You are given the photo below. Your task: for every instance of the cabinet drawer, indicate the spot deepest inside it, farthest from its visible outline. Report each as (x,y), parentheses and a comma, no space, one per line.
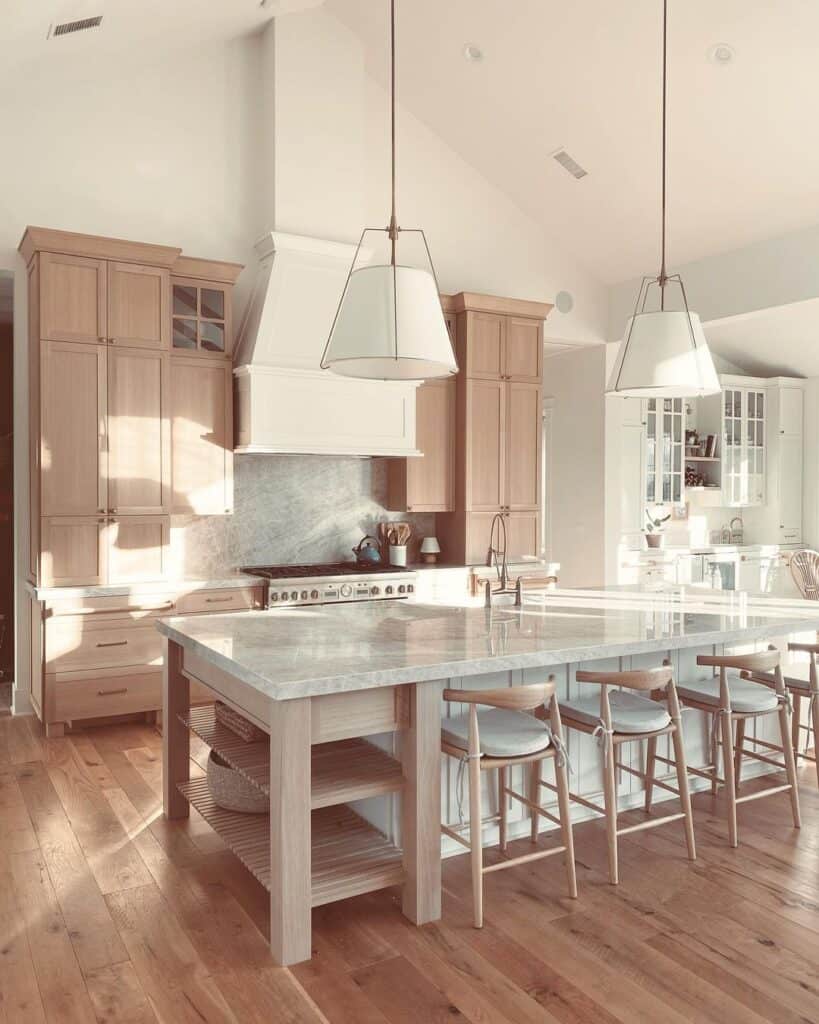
(106,695)
(79,645)
(220,601)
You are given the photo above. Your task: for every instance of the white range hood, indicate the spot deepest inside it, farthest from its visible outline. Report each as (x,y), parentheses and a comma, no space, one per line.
(285,404)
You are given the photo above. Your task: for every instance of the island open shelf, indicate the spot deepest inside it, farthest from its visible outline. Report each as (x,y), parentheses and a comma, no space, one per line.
(349,856)
(342,771)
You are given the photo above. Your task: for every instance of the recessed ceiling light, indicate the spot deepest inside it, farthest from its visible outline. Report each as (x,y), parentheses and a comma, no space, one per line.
(721,54)
(472,52)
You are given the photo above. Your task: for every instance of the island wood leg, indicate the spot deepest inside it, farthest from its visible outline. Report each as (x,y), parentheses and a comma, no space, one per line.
(290,853)
(421,804)
(176,741)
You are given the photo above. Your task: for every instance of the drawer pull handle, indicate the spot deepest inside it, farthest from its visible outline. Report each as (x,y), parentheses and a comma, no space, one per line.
(111,693)
(114,643)
(218,600)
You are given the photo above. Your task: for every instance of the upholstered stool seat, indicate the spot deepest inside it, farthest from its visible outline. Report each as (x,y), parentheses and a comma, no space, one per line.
(629,712)
(747,698)
(502,733)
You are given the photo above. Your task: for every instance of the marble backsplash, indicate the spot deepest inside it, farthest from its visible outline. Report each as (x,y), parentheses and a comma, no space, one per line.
(290,509)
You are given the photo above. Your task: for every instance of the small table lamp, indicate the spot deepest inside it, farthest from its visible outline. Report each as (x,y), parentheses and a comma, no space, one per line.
(430,549)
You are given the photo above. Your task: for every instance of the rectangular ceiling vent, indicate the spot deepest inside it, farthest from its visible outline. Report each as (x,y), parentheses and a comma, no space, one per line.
(569,164)
(66,27)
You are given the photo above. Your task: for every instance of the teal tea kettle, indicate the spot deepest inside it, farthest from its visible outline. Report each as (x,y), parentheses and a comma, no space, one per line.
(367,552)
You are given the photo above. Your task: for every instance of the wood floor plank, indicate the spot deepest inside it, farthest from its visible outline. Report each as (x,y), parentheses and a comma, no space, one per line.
(118,997)
(92,932)
(405,996)
(259,996)
(333,989)
(59,978)
(22,743)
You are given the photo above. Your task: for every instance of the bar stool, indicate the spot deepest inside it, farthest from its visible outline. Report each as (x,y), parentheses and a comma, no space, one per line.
(622,717)
(799,689)
(757,689)
(500,738)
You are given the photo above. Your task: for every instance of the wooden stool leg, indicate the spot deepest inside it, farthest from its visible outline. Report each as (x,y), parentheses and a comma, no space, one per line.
(790,765)
(714,756)
(610,802)
(738,748)
(503,807)
(815,720)
(685,795)
(728,771)
(476,850)
(651,760)
(564,803)
(795,722)
(534,796)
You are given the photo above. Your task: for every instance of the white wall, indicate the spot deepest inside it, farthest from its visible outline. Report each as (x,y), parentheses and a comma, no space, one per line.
(575,379)
(332,179)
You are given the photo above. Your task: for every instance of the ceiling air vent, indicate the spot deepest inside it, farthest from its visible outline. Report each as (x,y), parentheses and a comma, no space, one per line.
(66,27)
(569,164)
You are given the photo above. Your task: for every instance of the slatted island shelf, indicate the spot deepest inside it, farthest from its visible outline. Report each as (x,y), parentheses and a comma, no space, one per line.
(349,856)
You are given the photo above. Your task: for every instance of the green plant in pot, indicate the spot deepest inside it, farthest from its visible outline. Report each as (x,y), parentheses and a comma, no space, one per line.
(654,529)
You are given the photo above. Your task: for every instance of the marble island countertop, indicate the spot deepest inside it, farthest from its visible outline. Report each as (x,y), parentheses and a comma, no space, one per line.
(288,653)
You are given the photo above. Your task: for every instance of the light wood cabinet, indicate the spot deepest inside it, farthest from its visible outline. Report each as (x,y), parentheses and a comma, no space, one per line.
(201,436)
(428,484)
(139,440)
(499,426)
(73,298)
(138,299)
(201,319)
(72,458)
(72,551)
(137,548)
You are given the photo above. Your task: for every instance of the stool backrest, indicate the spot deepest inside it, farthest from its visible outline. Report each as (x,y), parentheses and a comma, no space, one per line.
(760,661)
(805,572)
(644,679)
(512,698)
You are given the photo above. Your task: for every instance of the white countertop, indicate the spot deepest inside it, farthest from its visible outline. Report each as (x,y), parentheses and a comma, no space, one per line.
(287,653)
(183,586)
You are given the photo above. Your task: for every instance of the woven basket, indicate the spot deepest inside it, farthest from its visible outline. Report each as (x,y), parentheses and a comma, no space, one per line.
(232,791)
(237,723)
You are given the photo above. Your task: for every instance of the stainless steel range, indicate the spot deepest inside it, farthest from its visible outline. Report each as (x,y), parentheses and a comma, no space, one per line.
(332,582)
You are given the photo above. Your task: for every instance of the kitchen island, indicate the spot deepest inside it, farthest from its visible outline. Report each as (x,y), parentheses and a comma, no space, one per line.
(320,680)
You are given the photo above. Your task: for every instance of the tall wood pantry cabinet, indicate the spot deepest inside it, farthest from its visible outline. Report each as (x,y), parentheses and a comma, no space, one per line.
(499,426)
(130,402)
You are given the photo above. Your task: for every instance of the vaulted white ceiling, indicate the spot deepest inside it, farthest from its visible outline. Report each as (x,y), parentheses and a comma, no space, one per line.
(744,155)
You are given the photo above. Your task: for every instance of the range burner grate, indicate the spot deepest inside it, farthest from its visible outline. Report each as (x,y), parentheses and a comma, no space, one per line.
(288,572)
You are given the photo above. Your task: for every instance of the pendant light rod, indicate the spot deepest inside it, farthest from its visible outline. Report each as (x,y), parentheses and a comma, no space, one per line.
(663,276)
(393,228)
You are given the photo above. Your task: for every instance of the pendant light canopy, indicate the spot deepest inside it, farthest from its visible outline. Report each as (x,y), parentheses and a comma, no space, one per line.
(664,353)
(389,324)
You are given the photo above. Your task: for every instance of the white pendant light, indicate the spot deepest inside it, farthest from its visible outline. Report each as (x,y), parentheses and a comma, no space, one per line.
(664,353)
(389,324)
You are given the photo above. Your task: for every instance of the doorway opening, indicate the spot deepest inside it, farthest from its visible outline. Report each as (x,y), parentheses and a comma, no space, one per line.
(6,490)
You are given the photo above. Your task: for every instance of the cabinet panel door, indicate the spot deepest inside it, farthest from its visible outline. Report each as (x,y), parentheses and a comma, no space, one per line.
(73,461)
(522,534)
(139,455)
(201,436)
(790,411)
(138,305)
(524,435)
(431,480)
(790,489)
(524,349)
(73,551)
(138,548)
(485,334)
(72,298)
(486,445)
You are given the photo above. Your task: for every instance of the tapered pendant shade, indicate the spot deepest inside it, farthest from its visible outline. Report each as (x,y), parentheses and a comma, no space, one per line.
(390,326)
(664,354)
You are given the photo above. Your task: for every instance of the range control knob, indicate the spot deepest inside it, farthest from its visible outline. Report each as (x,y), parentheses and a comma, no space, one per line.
(285,596)
(375,591)
(294,594)
(402,589)
(304,595)
(274,597)
(314,594)
(410,588)
(346,590)
(388,590)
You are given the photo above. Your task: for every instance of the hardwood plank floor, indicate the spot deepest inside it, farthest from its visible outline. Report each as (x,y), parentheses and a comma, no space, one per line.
(109,913)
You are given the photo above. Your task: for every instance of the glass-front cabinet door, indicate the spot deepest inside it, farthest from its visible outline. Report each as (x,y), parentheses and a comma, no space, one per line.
(743,449)
(665,431)
(200,317)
